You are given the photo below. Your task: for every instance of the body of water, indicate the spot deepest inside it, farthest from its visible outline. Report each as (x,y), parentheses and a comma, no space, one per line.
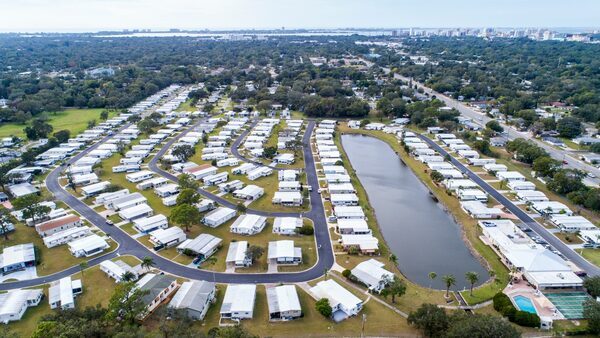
(423,236)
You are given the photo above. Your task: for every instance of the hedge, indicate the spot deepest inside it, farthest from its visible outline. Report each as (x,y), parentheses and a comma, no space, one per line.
(503,305)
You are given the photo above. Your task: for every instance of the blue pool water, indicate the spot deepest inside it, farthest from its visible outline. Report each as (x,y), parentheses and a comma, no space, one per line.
(524,304)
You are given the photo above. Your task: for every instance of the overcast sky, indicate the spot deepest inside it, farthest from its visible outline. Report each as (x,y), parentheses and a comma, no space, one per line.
(94,15)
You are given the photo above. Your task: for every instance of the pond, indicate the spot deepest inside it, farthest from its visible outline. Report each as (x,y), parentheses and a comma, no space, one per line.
(417,229)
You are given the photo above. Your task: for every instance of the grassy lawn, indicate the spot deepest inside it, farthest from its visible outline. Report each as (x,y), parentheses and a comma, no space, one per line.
(568,238)
(97,289)
(187,106)
(51,260)
(592,255)
(73,119)
(119,179)
(469,225)
(380,320)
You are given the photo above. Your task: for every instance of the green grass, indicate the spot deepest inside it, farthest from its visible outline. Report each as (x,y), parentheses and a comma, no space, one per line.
(74,120)
(51,260)
(381,321)
(592,255)
(187,106)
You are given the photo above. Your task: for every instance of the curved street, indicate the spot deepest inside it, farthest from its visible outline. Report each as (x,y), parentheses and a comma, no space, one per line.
(130,246)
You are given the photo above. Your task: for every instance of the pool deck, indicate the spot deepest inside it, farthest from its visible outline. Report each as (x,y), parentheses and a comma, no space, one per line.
(545,309)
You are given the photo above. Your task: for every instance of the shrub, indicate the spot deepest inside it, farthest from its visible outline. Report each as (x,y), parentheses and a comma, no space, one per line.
(527,319)
(323,307)
(346,273)
(306,229)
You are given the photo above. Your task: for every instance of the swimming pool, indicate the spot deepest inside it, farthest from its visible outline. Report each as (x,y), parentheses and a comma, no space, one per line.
(524,304)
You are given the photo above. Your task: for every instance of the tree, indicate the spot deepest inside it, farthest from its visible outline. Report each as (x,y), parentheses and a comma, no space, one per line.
(236,331)
(545,166)
(495,126)
(565,181)
(185,215)
(241,207)
(104,115)
(183,152)
(449,281)
(393,258)
(432,275)
(39,129)
(472,277)
(146,125)
(30,204)
(592,285)
(269,152)
(436,176)
(254,252)
(323,307)
(62,136)
(126,303)
(396,288)
(147,263)
(188,196)
(591,311)
(480,326)
(430,319)
(128,276)
(186,181)
(5,221)
(91,123)
(569,127)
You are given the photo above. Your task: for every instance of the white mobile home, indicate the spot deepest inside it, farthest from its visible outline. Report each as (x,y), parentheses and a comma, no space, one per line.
(166,238)
(139,176)
(88,246)
(218,216)
(238,302)
(203,246)
(152,223)
(249,192)
(248,224)
(283,303)
(137,211)
(373,275)
(287,198)
(287,225)
(343,302)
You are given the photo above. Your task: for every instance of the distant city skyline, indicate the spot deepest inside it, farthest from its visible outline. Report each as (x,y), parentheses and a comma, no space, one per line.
(99,15)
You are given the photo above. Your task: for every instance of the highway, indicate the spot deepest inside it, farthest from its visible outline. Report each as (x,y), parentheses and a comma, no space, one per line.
(130,246)
(482,119)
(569,253)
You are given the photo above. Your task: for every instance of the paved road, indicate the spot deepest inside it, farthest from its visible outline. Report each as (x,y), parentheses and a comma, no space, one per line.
(482,119)
(129,246)
(574,257)
(236,145)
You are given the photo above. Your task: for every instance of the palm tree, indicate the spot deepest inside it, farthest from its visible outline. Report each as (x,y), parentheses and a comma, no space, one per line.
(147,262)
(472,277)
(449,280)
(432,275)
(393,258)
(128,276)
(325,273)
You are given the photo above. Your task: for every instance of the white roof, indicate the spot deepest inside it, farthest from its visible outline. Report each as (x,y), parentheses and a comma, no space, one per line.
(355,224)
(237,251)
(17,254)
(371,272)
(250,190)
(283,248)
(349,211)
(283,298)
(508,175)
(287,223)
(539,259)
(478,208)
(134,211)
(167,235)
(219,213)
(336,294)
(239,298)
(88,243)
(146,221)
(365,242)
(12,302)
(248,222)
(61,290)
